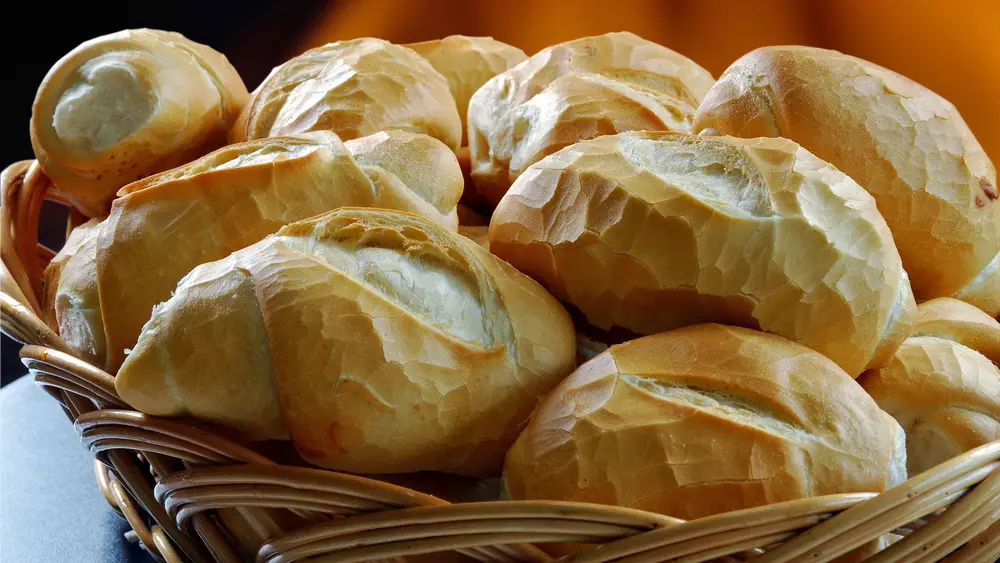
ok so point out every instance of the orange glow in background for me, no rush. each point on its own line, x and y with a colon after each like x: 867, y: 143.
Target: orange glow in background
x: 952, y: 48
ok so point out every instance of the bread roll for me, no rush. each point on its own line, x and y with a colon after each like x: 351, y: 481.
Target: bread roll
x: 703, y: 420
x: 906, y: 145
x: 467, y: 63
x: 380, y: 341
x: 126, y: 105
x: 354, y: 88
x: 945, y: 396
x: 955, y: 320
x: 72, y: 300
x: 653, y: 231
x: 577, y: 90
x: 162, y: 227
x: 412, y: 164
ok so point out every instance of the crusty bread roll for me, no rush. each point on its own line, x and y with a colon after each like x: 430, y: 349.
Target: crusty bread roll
x: 72, y: 299
x: 956, y: 320
x: 412, y: 164
x: 906, y: 145
x: 126, y: 105
x: 653, y: 231
x: 702, y: 420
x: 354, y: 88
x: 577, y: 90
x: 946, y: 397
x: 467, y: 63
x: 162, y: 227
x: 380, y: 341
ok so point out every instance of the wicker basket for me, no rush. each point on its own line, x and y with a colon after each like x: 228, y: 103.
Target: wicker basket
x: 192, y: 494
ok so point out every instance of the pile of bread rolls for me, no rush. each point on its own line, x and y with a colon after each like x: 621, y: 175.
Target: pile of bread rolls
x: 693, y: 296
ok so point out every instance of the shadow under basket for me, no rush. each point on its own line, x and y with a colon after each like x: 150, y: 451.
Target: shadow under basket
x: 191, y: 494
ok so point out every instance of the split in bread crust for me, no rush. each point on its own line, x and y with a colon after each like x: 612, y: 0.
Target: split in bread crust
x: 653, y: 231
x: 703, y: 420
x: 577, y: 90
x: 378, y: 340
x: 904, y: 144
x: 165, y: 225
x: 354, y: 88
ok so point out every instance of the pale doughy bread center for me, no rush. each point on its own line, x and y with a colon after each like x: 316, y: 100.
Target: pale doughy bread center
x: 736, y: 409
x: 108, y: 104
x: 722, y: 405
x: 714, y: 174
x: 425, y: 288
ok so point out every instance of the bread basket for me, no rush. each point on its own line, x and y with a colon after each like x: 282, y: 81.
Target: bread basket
x: 192, y: 495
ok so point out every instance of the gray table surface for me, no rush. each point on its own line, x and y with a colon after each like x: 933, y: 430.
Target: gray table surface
x: 50, y: 508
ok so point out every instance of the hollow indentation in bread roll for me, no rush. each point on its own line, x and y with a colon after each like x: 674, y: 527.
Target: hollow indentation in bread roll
x: 123, y: 106
x: 109, y: 103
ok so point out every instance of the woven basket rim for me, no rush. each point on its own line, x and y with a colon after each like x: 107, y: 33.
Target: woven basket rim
x: 174, y: 480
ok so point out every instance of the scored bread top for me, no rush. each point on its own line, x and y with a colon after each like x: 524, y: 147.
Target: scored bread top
x: 906, y: 145
x: 129, y: 104
x: 652, y: 231
x: 702, y: 420
x: 353, y: 88
x: 165, y: 225
x: 577, y: 90
x: 392, y: 344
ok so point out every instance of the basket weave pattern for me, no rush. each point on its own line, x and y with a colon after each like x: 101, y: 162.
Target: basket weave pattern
x: 193, y: 495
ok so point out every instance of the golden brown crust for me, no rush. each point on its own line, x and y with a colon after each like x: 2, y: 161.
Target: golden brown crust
x: 945, y: 396
x: 955, y: 320
x: 354, y: 88
x: 392, y: 344
x: 478, y: 234
x: 577, y: 90
x: 906, y: 145
x: 126, y: 105
x: 467, y: 63
x: 652, y: 231
x: 71, y: 295
x: 162, y: 227
x: 703, y: 420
